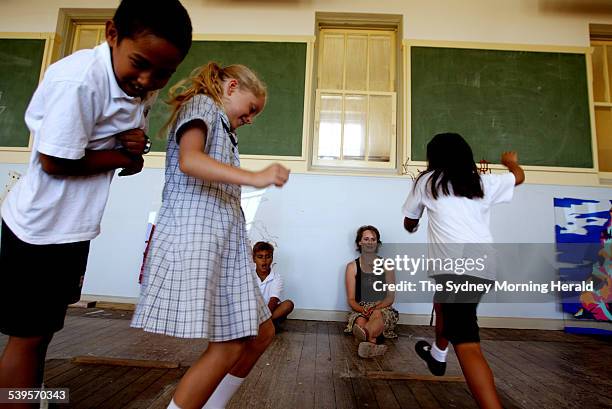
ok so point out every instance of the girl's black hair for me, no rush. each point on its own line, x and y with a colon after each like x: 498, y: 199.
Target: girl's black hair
x: 166, y: 19
x: 450, y: 160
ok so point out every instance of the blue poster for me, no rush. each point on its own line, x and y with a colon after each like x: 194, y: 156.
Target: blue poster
x: 584, y: 251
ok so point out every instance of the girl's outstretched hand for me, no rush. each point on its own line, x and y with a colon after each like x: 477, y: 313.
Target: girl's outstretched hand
x: 510, y: 160
x: 509, y: 157
x: 275, y: 174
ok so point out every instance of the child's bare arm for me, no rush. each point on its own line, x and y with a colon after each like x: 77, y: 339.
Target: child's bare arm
x: 92, y: 163
x: 194, y: 162
x: 135, y: 141
x: 510, y: 160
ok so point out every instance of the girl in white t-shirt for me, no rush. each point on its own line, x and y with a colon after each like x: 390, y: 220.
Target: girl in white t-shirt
x: 458, y: 200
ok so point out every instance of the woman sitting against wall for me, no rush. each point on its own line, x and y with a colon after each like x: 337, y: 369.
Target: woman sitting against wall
x: 372, y: 317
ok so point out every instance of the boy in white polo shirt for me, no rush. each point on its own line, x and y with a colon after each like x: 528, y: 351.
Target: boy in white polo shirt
x: 87, y: 118
x: 271, y: 283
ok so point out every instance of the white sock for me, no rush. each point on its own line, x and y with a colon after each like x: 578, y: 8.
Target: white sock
x: 173, y: 405
x: 438, y: 354
x: 224, y: 392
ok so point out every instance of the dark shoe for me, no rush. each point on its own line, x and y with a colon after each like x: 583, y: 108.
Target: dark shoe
x: 423, y: 350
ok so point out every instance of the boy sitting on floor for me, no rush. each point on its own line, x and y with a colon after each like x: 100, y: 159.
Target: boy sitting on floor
x: 271, y: 284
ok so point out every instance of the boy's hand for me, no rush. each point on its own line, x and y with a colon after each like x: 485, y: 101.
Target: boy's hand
x: 274, y: 174
x: 135, y: 141
x: 137, y: 162
x: 509, y: 158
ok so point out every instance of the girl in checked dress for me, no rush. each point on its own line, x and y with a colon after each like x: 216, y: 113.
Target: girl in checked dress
x: 198, y: 278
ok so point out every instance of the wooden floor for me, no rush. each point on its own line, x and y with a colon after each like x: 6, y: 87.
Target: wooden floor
x: 313, y: 364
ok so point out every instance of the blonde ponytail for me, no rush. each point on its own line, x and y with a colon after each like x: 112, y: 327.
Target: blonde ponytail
x: 208, y: 80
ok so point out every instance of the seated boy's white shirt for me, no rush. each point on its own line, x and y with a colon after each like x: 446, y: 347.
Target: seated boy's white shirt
x: 77, y: 106
x: 272, y: 286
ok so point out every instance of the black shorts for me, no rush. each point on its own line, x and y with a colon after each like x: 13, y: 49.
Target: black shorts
x: 459, y: 320
x: 37, y: 283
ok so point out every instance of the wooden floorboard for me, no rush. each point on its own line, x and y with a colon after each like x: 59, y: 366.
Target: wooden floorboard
x: 313, y: 364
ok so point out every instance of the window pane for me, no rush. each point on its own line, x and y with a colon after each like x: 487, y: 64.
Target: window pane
x: 608, y: 49
x: 86, y: 38
x: 603, y: 125
x: 356, y: 62
x: 332, y: 62
x: 599, y: 93
x: 355, y: 117
x: 330, y: 123
x: 380, y: 63
x: 380, y: 128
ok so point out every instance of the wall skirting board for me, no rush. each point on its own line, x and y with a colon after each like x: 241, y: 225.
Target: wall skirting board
x: 408, y: 319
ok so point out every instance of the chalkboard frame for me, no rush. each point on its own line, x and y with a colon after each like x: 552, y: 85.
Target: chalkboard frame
x: 414, y: 166
x: 157, y: 158
x: 21, y: 154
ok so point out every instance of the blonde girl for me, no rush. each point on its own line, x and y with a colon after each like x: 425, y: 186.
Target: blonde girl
x: 199, y: 281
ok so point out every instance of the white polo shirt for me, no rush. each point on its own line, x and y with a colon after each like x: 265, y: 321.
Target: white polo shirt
x: 77, y: 106
x: 271, y: 286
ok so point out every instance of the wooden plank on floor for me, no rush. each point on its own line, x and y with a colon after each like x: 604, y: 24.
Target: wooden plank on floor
x: 452, y: 395
x: 115, y: 387
x: 324, y: 384
x: 385, y: 398
x: 264, y: 393
x: 304, y: 390
x: 125, y: 396
x: 290, y: 341
x: 395, y: 360
x: 157, y: 390
x: 162, y: 400
x: 403, y: 395
x: 343, y: 388
x: 58, y: 369
x: 518, y: 387
x: 508, y: 362
x: 362, y: 387
x: 136, y: 363
x: 423, y: 395
x: 96, y: 386
x: 407, y: 376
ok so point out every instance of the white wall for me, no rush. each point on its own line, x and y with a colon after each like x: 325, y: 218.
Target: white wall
x: 314, y: 217
x: 313, y: 220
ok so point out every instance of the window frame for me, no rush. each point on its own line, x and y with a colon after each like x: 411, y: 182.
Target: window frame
x: 371, y: 24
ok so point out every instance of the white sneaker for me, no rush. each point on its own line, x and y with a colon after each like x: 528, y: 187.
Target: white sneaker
x: 370, y: 350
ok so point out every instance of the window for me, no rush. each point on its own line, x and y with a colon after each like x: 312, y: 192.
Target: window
x: 87, y: 36
x: 602, y: 96
x: 356, y: 98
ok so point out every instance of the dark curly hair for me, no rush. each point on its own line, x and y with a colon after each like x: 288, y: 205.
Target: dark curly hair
x: 360, y: 232
x: 165, y: 19
x: 263, y: 246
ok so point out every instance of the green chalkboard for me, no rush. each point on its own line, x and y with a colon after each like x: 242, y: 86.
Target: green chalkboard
x: 281, y: 65
x: 533, y: 102
x: 20, y: 65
